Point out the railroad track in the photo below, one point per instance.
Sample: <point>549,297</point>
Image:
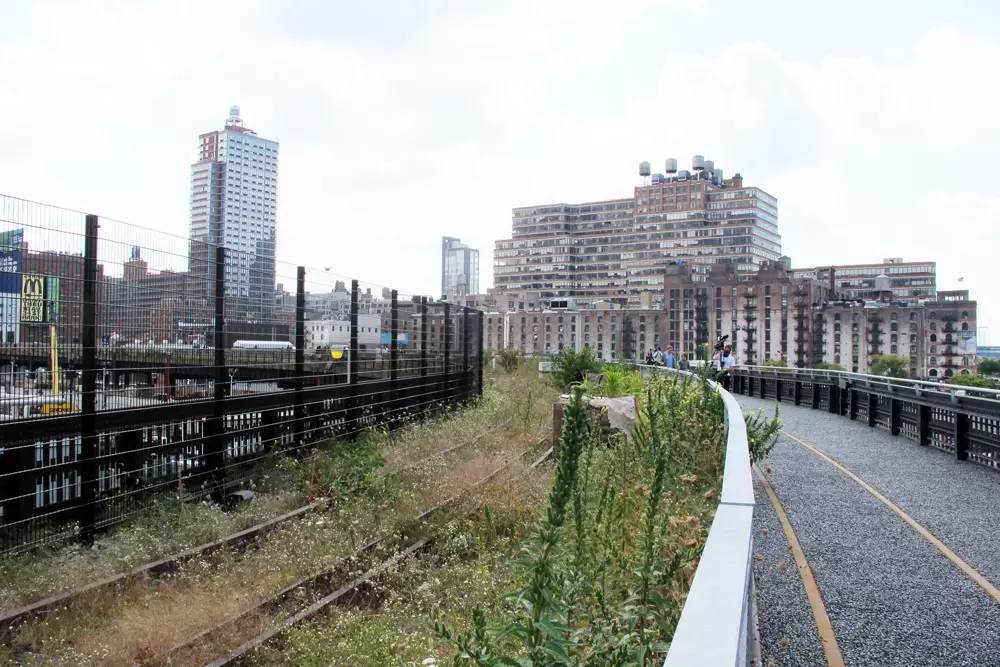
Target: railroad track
<point>318,589</point>
<point>12,620</point>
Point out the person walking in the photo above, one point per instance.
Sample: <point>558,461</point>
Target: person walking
<point>668,358</point>
<point>649,357</point>
<point>658,357</point>
<point>684,364</point>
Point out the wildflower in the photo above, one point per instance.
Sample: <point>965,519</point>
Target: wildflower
<point>690,478</point>
<point>709,494</point>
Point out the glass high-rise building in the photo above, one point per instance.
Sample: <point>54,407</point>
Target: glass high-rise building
<point>234,187</point>
<point>459,269</point>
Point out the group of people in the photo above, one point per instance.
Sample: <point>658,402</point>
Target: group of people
<point>723,361</point>
<point>667,359</point>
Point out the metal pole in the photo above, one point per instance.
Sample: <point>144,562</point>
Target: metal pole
<point>466,371</point>
<point>352,362</point>
<point>300,356</point>
<point>215,446</point>
<point>479,357</point>
<point>393,354</point>
<point>89,469</point>
<point>447,353</point>
<point>423,336</point>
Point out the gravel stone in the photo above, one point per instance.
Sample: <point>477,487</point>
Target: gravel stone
<point>893,599</point>
<point>957,501</point>
<point>783,610</point>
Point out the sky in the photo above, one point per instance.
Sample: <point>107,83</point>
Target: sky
<point>873,123</point>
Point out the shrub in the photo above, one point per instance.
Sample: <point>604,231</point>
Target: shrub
<point>762,433</point>
<point>509,359</point>
<point>571,367</point>
<point>778,363</point>
<point>606,571</point>
<point>619,380</point>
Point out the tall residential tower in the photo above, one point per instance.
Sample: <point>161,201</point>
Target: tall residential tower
<point>234,187</point>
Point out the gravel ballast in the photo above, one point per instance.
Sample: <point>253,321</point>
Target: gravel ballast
<point>892,597</point>
<point>783,611</point>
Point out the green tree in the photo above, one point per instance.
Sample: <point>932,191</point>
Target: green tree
<point>989,366</point>
<point>969,380</point>
<point>778,363</point>
<point>890,365</point>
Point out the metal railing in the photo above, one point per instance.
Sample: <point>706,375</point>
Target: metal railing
<point>718,623</point>
<point>963,421</point>
<point>135,364</point>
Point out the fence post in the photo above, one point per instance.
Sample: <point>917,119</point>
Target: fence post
<point>448,337</point>
<point>833,394</point>
<point>924,425</point>
<point>90,470</point>
<point>423,336</point>
<point>479,356</point>
<point>798,392</point>
<point>215,436</point>
<point>466,342</point>
<point>815,395</point>
<point>894,415</point>
<point>394,355</point>
<point>872,409</point>
<point>299,412</point>
<point>354,414</point>
<point>961,434</point>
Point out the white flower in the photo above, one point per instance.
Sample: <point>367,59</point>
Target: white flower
<point>429,661</point>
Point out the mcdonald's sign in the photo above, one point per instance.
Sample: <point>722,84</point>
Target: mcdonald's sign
<point>32,298</point>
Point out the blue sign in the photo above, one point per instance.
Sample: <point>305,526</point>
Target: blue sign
<point>386,339</point>
<point>10,261</point>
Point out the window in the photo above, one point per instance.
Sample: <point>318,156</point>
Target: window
<point>933,338</point>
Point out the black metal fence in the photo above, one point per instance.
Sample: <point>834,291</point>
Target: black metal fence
<point>134,363</point>
<point>962,421</point>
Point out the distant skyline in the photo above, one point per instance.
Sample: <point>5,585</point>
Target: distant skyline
<point>872,123</point>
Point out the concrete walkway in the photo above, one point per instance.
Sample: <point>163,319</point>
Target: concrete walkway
<point>893,597</point>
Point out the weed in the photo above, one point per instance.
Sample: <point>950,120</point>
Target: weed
<point>762,433</point>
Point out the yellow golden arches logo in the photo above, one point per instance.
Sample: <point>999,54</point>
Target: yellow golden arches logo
<point>32,286</point>
<point>32,298</point>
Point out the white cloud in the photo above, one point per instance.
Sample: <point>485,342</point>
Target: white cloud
<point>390,140</point>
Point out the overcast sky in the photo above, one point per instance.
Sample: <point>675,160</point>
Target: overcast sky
<point>875,124</point>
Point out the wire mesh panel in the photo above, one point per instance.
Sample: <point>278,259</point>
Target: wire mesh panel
<point>883,412</point>
<point>136,363</point>
<point>984,440</point>
<point>942,425</point>
<point>909,415</point>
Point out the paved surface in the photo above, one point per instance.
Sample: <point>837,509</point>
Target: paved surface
<point>892,597</point>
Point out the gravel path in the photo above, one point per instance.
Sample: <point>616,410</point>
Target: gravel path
<point>957,501</point>
<point>782,608</point>
<point>892,597</point>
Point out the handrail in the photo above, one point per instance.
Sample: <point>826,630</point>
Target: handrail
<point>717,625</point>
<point>885,380</point>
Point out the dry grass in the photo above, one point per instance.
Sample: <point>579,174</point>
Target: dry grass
<point>134,625</point>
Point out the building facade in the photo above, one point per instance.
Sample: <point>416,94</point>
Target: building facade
<point>772,314</point>
<point>908,280</point>
<point>234,187</point>
<point>459,269</point>
<point>617,249</point>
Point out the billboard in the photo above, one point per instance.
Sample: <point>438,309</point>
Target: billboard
<point>10,261</point>
<point>32,298</point>
<point>386,339</point>
<point>967,345</point>
<point>52,299</point>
